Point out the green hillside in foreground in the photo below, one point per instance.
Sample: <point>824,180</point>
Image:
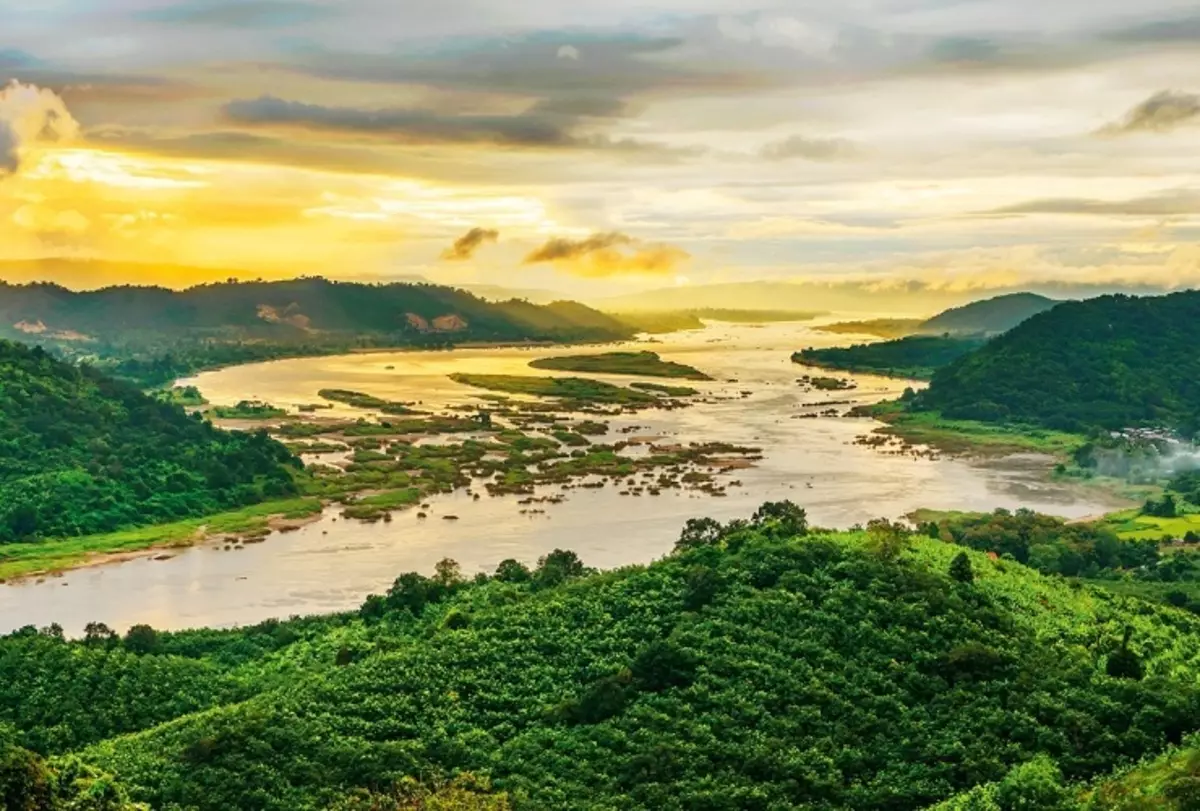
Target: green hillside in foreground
<point>81,453</point>
<point>1110,362</point>
<point>760,666</point>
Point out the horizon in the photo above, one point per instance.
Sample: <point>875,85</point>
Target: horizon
<point>618,149</point>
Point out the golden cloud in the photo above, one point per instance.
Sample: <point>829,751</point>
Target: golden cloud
<point>609,254</point>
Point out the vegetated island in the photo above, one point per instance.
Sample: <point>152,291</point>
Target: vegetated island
<point>646,364</point>
<point>580,391</point>
<point>357,399</point>
<point>916,357</point>
<point>879,327</point>
<point>681,683</point>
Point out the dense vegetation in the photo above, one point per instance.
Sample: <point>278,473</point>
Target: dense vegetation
<point>879,327</point>
<point>648,364</point>
<point>81,453</point>
<point>916,356</point>
<point>153,335</point>
<point>1109,362</point>
<point>762,665</point>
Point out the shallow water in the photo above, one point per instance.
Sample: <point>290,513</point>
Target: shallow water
<point>333,564</point>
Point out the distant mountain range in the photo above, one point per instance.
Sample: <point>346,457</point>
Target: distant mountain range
<point>301,309</point>
<point>990,316</point>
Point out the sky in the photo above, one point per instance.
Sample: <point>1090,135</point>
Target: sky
<point>602,147</point>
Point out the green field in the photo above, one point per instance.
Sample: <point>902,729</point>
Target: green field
<point>647,364</point>
<point>1132,525</point>
<point>969,436</point>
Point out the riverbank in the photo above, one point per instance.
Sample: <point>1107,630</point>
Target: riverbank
<point>969,437</point>
<point>30,560</point>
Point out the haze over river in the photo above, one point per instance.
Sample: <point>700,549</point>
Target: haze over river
<point>334,563</point>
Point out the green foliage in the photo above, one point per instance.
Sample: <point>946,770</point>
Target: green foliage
<point>916,356</point>
<point>573,389</point>
<point>647,364</point>
<point>81,453</point>
<point>1110,362</point>
<point>960,568</point>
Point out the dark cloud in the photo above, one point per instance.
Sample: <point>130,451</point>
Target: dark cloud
<point>813,149</point>
<point>609,254</point>
<point>1169,204</point>
<point>404,125</point>
<point>239,13</point>
<point>536,128</point>
<point>465,246</point>
<point>9,145</point>
<point>1162,112</point>
<point>956,50</point>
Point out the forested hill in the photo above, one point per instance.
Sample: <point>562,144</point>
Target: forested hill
<point>301,308</point>
<point>760,666</point>
<point>82,453</point>
<point>990,316</point>
<point>1110,362</point>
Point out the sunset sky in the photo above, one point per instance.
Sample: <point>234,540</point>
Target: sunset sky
<point>599,147</point>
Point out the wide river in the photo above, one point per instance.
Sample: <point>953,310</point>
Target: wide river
<point>334,563</point>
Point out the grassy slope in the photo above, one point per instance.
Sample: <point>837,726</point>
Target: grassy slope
<point>482,698</point>
<point>24,559</point>
<point>968,436</point>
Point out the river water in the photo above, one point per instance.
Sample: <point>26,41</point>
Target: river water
<point>333,564</point>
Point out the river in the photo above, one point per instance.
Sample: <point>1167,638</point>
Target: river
<point>334,563</point>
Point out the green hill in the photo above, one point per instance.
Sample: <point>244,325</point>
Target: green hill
<point>916,356</point>
<point>935,343</point>
<point>757,667</point>
<point>990,316</point>
<point>153,334</point>
<point>1109,362</point>
<point>81,453</point>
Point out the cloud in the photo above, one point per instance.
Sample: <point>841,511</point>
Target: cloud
<point>239,13</point>
<point>1162,112</point>
<point>542,126</point>
<point>29,114</point>
<point>814,149</point>
<point>608,254</point>
<point>569,52</point>
<point>465,246</point>
<point>1168,204</point>
<point>1179,29</point>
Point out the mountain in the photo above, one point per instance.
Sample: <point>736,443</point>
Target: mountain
<point>153,335</point>
<point>1110,362</point>
<point>81,453</point>
<point>990,316</point>
<point>810,297</point>
<point>761,665</point>
<point>290,309</point>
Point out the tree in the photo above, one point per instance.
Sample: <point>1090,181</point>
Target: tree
<point>663,664</point>
<point>1124,663</point>
<point>98,634</point>
<point>960,568</point>
<point>887,540</point>
<point>447,573</point>
<point>701,585</point>
<point>409,591</point>
<point>698,532</point>
<point>141,639</point>
<point>513,571</point>
<point>780,519</point>
<point>1033,786</point>
<point>559,566</point>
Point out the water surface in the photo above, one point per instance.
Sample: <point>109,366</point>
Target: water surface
<point>334,563</point>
